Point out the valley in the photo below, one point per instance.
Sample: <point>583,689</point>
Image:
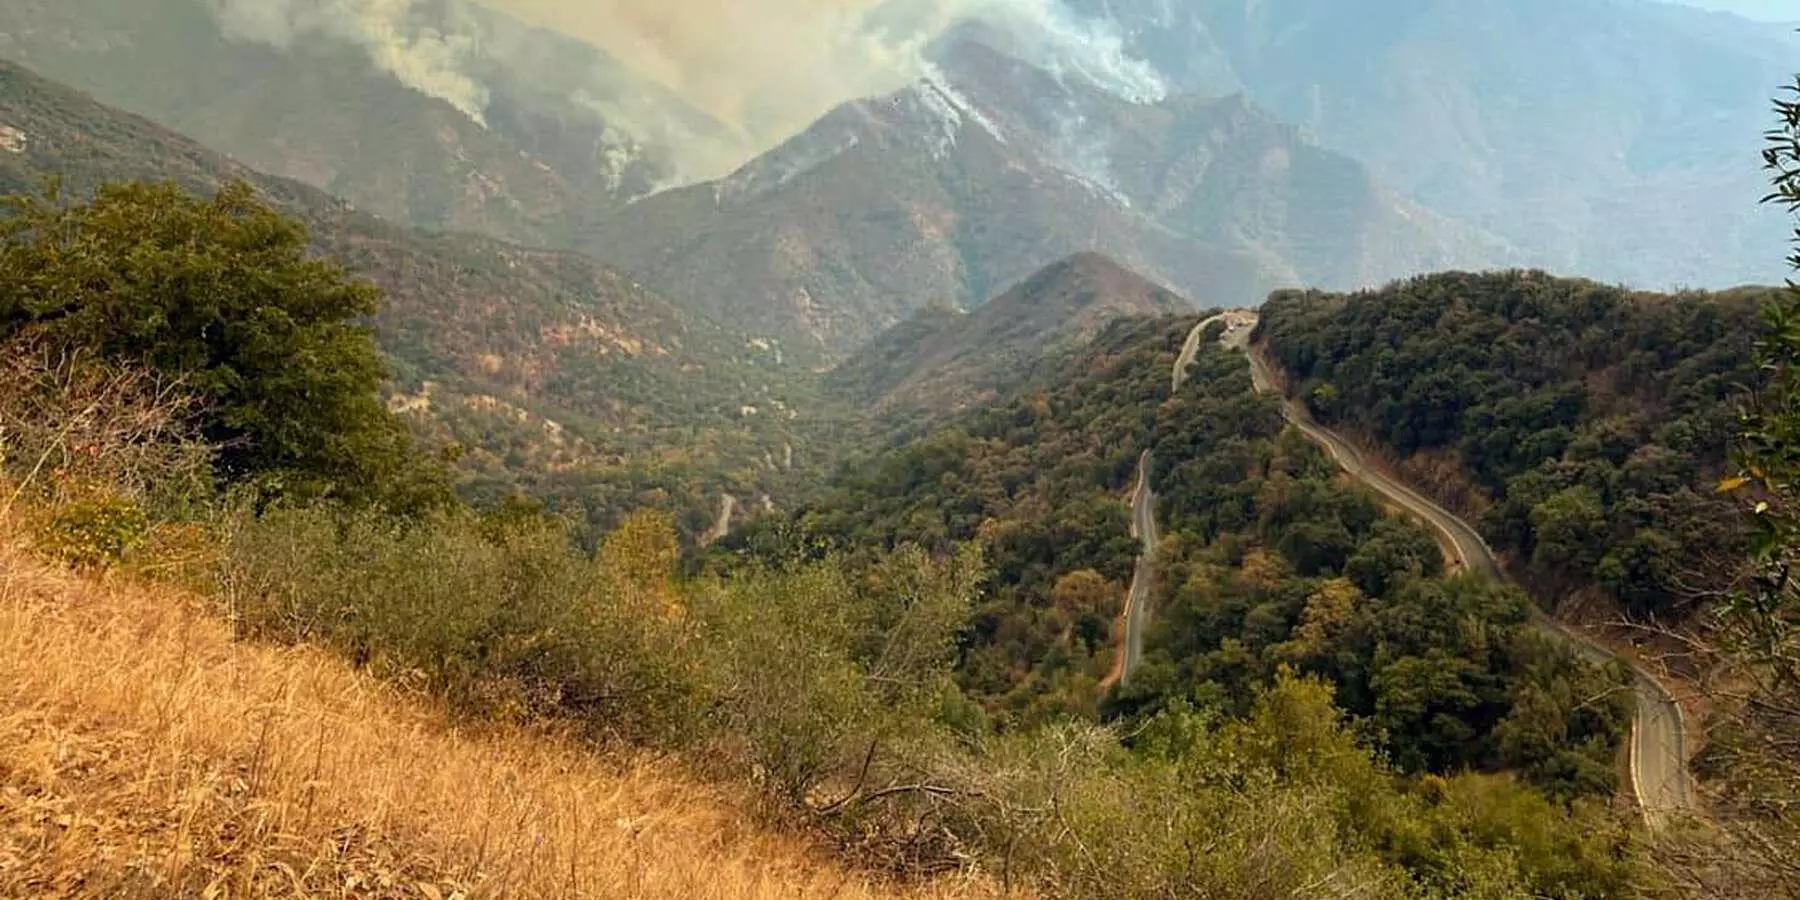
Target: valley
<point>1029,448</point>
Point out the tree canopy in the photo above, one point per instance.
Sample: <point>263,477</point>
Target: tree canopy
<point>221,295</point>
<point>1582,425</point>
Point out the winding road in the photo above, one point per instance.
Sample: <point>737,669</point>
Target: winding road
<point>1143,500</point>
<point>1143,527</point>
<point>1658,742</point>
<point>1658,751</point>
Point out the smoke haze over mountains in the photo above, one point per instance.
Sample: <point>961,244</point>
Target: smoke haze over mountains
<point>764,69</point>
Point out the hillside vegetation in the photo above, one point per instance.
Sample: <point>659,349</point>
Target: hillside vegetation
<point>1268,565</point>
<point>151,753</point>
<point>822,685</point>
<point>552,373</point>
<point>1585,425</point>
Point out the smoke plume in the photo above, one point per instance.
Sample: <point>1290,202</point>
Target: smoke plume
<point>429,58</point>
<point>764,69</point>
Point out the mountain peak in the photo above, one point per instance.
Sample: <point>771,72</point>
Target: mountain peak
<point>1080,286</point>
<point>941,359</point>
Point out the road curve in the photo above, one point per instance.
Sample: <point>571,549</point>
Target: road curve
<point>1658,743</point>
<point>1137,599</point>
<point>1143,498</point>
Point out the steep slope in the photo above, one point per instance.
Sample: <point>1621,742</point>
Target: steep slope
<point>539,362</point>
<point>1584,427</point>
<point>941,361</point>
<point>553,146</point>
<point>149,753</point>
<point>1616,138</point>
<point>1218,171</point>
<point>989,169</point>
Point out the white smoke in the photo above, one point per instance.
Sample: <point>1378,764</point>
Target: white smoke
<point>765,69</point>
<point>429,58</point>
<point>1049,35</point>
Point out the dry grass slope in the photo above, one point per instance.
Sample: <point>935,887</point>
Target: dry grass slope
<point>145,753</point>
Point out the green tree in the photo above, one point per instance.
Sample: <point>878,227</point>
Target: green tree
<point>1571,531</point>
<point>1752,754</point>
<point>222,295</point>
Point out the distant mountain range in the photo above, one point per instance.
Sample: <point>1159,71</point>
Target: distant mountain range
<point>1253,146</point>
<point>1616,139</point>
<point>1759,10</point>
<point>988,169</point>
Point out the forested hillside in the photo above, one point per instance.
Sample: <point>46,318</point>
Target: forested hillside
<point>1271,562</point>
<point>190,407</point>
<point>1039,479</point>
<point>553,373</point>
<point>1268,564</point>
<point>1585,425</point>
<point>942,361</point>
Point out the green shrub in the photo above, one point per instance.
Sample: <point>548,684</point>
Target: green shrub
<point>94,529</point>
<point>222,296</point>
<point>503,621</point>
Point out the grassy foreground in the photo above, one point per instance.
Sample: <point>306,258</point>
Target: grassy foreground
<point>146,753</point>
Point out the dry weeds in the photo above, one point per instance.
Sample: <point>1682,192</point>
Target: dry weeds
<point>144,753</point>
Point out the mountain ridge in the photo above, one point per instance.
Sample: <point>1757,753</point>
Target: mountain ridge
<point>977,176</point>
<point>1614,139</point>
<point>546,366</point>
<point>943,360</point>
<point>541,160</point>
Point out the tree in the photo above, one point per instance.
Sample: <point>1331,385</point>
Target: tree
<point>220,294</point>
<point>1753,755</point>
<point>1571,531</point>
<point>1395,550</point>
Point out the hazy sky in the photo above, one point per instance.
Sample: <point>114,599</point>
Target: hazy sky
<point>1768,10</point>
<point>764,68</point>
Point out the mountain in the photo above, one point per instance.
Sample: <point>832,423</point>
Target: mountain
<point>556,133</point>
<point>1615,138</point>
<point>1217,170</point>
<point>545,365</point>
<point>988,169</point>
<point>942,360</point>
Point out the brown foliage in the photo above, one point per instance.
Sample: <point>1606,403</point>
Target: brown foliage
<point>147,754</point>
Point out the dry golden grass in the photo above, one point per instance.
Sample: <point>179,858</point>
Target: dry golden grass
<point>144,753</point>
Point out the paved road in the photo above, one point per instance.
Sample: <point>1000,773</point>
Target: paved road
<point>1143,527</point>
<point>1658,735</point>
<point>1143,498</point>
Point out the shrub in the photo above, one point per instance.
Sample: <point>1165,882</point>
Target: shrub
<point>220,296</point>
<point>70,418</point>
<point>510,622</point>
<point>92,528</point>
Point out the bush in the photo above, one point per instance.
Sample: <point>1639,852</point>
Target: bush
<point>71,419</point>
<point>509,622</point>
<point>828,672</point>
<point>94,528</point>
<point>220,296</point>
